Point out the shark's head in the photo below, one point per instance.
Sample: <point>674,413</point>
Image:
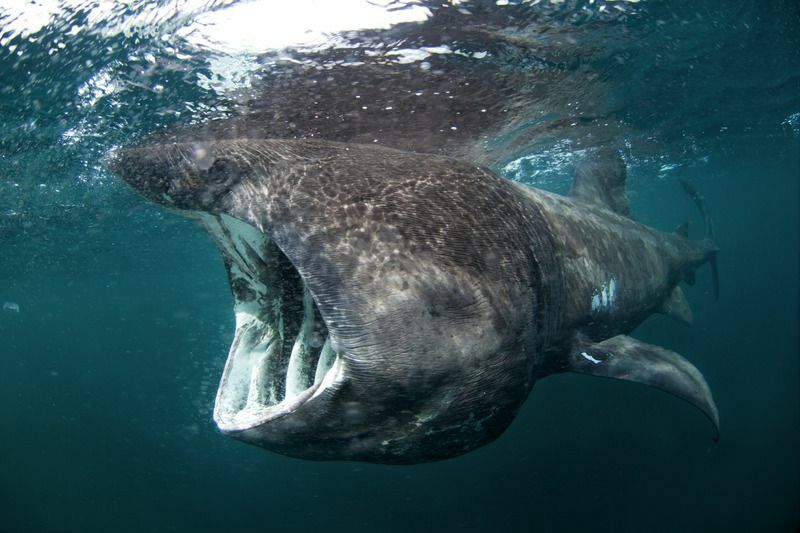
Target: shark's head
<point>385,302</point>
<point>187,177</point>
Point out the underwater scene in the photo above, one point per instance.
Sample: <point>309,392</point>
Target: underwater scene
<point>357,265</point>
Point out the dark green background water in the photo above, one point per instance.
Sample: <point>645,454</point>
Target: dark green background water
<point>109,370</point>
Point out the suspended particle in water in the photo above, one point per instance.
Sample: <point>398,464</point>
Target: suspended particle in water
<point>10,307</point>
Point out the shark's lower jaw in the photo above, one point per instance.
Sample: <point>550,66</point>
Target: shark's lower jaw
<point>281,355</point>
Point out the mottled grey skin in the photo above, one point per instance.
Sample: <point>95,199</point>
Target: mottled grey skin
<point>447,290</point>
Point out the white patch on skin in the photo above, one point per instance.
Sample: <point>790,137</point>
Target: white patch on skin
<point>605,297</point>
<point>590,358</point>
<point>595,303</point>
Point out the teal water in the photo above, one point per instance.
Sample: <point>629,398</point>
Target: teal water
<point>109,367</point>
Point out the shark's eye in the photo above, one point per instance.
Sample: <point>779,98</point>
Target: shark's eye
<point>221,170</point>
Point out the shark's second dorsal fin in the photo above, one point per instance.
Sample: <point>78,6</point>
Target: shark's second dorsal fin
<point>600,180</point>
<point>623,357</point>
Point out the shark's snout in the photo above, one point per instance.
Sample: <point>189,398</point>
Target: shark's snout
<point>190,176</point>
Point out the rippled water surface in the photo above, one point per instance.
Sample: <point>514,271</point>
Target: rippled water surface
<point>116,315</point>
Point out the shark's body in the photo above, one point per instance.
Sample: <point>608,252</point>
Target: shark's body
<point>398,307</point>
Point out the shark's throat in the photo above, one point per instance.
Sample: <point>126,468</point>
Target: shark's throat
<point>281,352</point>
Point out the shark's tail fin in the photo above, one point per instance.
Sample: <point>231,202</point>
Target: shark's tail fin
<point>700,202</point>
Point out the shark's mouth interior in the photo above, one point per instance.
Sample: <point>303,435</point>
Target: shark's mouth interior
<point>281,355</point>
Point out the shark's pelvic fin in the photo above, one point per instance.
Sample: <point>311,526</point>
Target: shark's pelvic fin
<point>623,357</point>
<point>677,307</point>
<point>600,180</point>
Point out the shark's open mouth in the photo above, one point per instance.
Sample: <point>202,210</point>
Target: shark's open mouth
<point>281,355</point>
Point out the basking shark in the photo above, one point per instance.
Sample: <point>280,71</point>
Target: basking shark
<point>398,307</point>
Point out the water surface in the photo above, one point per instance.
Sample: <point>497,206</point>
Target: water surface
<point>116,317</point>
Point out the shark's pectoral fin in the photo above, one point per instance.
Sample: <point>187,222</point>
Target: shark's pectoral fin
<point>677,307</point>
<point>623,357</point>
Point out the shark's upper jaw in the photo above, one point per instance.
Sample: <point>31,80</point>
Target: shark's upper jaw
<point>282,354</point>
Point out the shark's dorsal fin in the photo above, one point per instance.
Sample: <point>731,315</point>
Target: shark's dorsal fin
<point>600,180</point>
<point>677,307</point>
<point>623,357</point>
